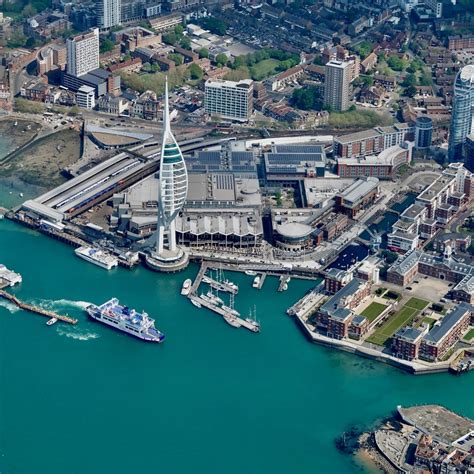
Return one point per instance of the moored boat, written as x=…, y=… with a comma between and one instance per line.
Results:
x=97, y=257
x=186, y=287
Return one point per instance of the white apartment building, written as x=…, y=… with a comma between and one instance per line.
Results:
x=229, y=100
x=108, y=13
x=83, y=53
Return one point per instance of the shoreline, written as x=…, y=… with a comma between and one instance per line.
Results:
x=416, y=368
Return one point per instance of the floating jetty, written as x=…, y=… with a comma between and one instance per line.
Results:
x=222, y=312
x=220, y=284
x=36, y=309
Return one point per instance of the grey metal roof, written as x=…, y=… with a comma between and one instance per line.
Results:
x=437, y=333
x=408, y=334
x=334, y=301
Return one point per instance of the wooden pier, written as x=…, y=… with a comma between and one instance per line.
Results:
x=35, y=309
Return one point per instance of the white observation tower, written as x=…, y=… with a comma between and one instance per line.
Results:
x=173, y=189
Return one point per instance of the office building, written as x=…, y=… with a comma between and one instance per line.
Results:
x=229, y=100
x=358, y=196
x=83, y=53
x=337, y=85
x=108, y=13
x=383, y=165
x=461, y=118
x=85, y=97
x=423, y=132
x=167, y=256
x=373, y=141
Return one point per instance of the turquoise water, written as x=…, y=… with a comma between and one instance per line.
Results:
x=210, y=399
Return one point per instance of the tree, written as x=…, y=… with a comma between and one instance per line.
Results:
x=177, y=58
x=29, y=10
x=390, y=257
x=307, y=98
x=410, y=91
x=195, y=72
x=178, y=30
x=30, y=42
x=410, y=80
x=214, y=25
x=185, y=42
x=426, y=79
x=221, y=59
x=170, y=38
x=17, y=39
x=107, y=45
x=203, y=53
x=396, y=63
x=368, y=81
x=364, y=49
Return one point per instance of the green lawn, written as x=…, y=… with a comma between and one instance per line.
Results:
x=392, y=325
x=263, y=69
x=373, y=310
x=469, y=335
x=417, y=303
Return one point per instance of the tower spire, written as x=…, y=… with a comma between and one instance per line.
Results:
x=166, y=111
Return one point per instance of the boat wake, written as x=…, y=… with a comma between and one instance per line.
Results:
x=63, y=303
x=77, y=334
x=9, y=306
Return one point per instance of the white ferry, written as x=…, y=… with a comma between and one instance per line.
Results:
x=186, y=287
x=125, y=319
x=97, y=257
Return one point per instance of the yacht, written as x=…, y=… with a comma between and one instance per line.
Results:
x=256, y=282
x=232, y=320
x=186, y=287
x=252, y=319
x=52, y=321
x=216, y=300
x=250, y=272
x=196, y=303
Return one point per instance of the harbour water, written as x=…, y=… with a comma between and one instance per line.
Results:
x=210, y=399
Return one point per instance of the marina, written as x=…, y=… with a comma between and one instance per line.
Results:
x=213, y=302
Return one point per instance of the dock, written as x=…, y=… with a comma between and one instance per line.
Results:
x=221, y=312
x=35, y=309
x=263, y=276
